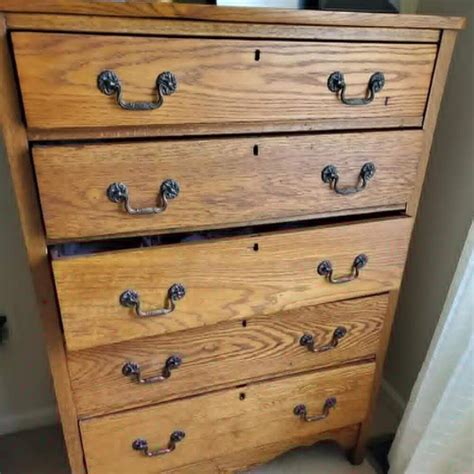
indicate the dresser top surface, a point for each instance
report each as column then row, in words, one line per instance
column 154, row 9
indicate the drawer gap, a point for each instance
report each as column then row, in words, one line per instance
column 72, row 249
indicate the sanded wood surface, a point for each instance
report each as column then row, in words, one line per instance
column 15, row 143
column 88, row 24
column 230, row 353
column 219, row 81
column 223, row 423
column 223, row 183
column 224, row 279
column 157, row 9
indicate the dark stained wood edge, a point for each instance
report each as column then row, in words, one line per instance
column 155, row 9
column 257, row 128
column 164, row 27
column 17, row 151
column 443, row 61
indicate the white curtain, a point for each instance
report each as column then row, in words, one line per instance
column 435, row 435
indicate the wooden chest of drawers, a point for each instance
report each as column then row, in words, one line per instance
column 217, row 206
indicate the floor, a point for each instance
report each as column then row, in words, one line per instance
column 41, row 451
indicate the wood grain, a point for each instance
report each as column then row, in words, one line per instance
column 88, row 24
column 228, row 354
column 14, row 140
column 219, row 80
column 223, row 183
column 220, row 424
column 235, row 128
column 358, row 453
column 224, row 279
column 429, row 126
column 252, row 457
column 157, row 9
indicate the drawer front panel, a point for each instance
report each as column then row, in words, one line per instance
column 223, row 279
column 221, row 423
column 227, row 354
column 218, row 81
column 221, row 182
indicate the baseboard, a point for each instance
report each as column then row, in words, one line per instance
column 27, row 421
column 395, row 401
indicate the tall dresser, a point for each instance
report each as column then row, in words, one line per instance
column 217, row 205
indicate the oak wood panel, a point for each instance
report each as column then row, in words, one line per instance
column 88, row 24
column 223, row 183
column 222, row 423
column 222, row 128
column 252, row 457
column 220, row 82
column 358, row 453
column 158, row 9
column 224, row 279
column 14, row 141
column 230, row 353
column 429, row 126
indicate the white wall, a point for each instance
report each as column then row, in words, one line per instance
column 445, row 213
column 26, row 395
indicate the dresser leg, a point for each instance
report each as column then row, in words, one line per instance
column 357, row 454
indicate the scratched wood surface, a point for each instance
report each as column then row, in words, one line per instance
column 223, row 183
column 219, row 81
column 230, row 353
column 225, row 422
column 224, row 279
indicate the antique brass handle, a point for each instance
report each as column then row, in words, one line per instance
column 308, row 341
column 109, row 84
column 118, row 192
column 300, row 410
column 142, row 445
column 337, row 84
column 325, row 269
column 133, row 370
column 331, row 176
column 131, row 299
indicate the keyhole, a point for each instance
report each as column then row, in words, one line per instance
column 255, row 150
column 255, row 247
column 244, row 323
column 257, row 55
column 242, row 396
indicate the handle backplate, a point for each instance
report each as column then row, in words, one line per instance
column 109, row 83
column 325, row 269
column 337, row 84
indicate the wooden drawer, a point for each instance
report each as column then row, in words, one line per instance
column 221, row 182
column 227, row 354
column 221, row 423
column 224, row 279
column 221, row 84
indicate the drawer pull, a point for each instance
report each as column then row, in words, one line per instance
column 331, row 176
column 133, row 370
column 142, row 445
column 109, row 84
column 131, row 299
column 337, row 84
column 118, row 192
column 325, row 269
column 300, row 410
column 308, row 341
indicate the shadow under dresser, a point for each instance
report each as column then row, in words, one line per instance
column 217, row 205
